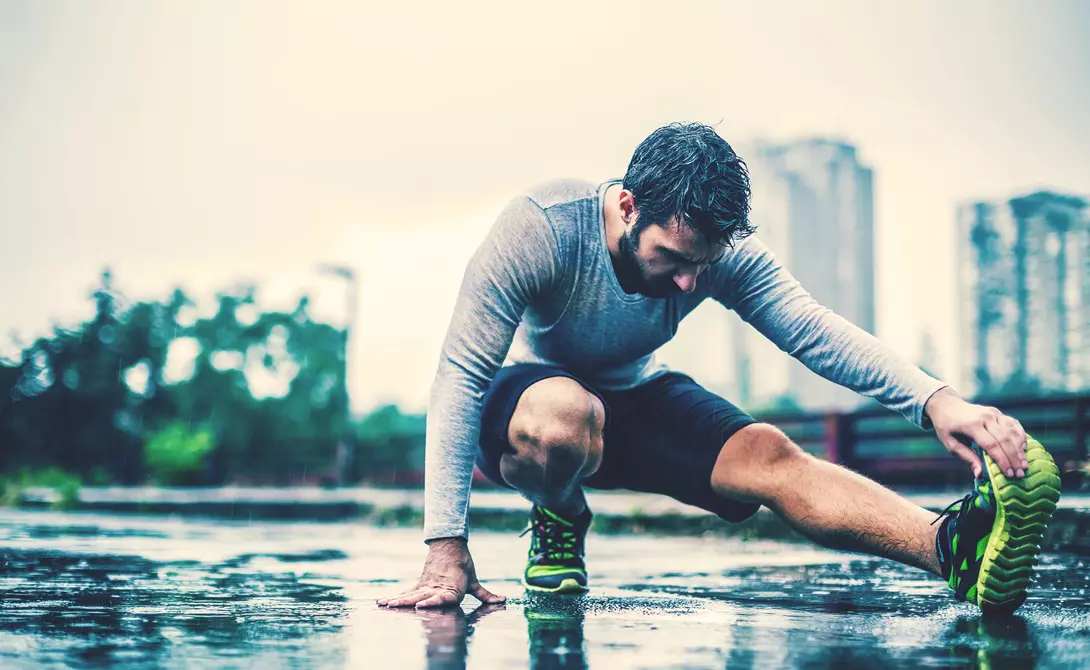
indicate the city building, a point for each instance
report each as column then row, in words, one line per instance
column 1024, row 294
column 813, row 205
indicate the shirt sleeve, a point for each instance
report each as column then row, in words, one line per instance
column 754, row 284
column 517, row 260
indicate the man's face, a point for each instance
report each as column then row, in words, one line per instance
column 661, row 261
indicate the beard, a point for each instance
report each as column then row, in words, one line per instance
column 633, row 275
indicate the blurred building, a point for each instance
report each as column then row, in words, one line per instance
column 1024, row 294
column 813, row 205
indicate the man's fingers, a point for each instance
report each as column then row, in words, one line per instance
column 388, row 601
column 409, row 599
column 964, row 453
column 1018, row 436
column 991, row 446
column 399, row 600
column 1007, row 445
column 440, row 599
column 484, row 595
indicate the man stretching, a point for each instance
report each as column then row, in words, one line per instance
column 575, row 288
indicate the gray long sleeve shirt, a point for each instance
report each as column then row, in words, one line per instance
column 541, row 288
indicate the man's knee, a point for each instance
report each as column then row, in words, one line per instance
column 753, row 461
column 556, row 430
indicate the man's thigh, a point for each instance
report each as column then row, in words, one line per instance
column 665, row 437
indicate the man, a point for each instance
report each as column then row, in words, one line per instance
column 578, row 284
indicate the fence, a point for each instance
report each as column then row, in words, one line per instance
column 881, row 445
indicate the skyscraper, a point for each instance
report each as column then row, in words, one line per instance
column 813, row 205
column 1024, row 294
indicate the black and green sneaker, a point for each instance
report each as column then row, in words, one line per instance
column 555, row 563
column 989, row 541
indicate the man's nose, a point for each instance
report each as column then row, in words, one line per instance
column 686, row 281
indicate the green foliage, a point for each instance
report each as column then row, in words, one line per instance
column 390, row 444
column 176, row 454
column 89, row 398
column 66, row 484
column 99, row 400
column 388, row 423
column 99, row 476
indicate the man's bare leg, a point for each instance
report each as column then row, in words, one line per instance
column 556, row 437
column 827, row 503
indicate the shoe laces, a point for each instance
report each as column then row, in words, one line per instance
column 552, row 537
column 957, row 508
column 960, row 507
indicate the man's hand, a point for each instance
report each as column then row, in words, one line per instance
column 957, row 422
column 448, row 576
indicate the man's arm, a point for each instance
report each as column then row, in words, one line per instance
column 516, row 261
column 767, row 296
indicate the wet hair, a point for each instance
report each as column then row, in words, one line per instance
column 689, row 172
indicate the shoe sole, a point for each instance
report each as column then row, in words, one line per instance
column 1024, row 509
column 565, row 586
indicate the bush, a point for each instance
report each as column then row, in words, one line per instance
column 65, row 483
column 99, row 476
column 175, row 455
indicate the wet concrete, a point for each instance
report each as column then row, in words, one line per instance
column 82, row 590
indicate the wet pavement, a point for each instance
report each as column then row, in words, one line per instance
column 79, row 590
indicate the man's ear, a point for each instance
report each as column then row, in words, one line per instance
column 627, row 205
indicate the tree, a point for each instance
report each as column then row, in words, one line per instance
column 93, row 396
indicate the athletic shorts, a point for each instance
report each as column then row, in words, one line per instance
column 663, row 436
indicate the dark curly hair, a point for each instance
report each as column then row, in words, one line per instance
column 688, row 171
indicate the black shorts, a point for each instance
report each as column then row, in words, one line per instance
column 663, row 436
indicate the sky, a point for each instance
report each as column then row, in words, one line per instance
column 200, row 144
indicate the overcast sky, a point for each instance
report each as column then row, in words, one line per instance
column 197, row 143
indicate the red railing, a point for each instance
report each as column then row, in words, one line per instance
column 883, row 446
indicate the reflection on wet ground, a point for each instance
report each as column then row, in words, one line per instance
column 94, row 591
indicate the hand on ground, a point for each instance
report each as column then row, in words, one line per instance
column 447, row 577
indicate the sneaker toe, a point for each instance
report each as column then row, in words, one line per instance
column 555, row 579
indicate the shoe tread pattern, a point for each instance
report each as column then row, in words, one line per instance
column 1024, row 509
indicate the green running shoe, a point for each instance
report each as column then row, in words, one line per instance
column 555, row 563
column 988, row 541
